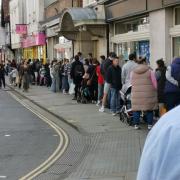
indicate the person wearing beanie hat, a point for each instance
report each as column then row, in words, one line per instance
column 172, row 87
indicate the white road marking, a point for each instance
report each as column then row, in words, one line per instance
column 7, row 135
column 55, row 135
column 3, row 177
column 63, row 144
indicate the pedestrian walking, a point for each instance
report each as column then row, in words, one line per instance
column 114, row 79
column 77, row 72
column 172, row 87
column 26, row 76
column 144, row 93
column 2, row 76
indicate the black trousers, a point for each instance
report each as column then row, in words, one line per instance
column 2, row 81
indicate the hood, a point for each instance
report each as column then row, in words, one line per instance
column 141, row 69
column 176, row 61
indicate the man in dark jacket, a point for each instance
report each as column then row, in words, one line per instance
column 114, row 79
column 77, row 72
column 104, row 70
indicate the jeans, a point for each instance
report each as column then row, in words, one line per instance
column 2, row 81
column 65, row 84
column 172, row 100
column 100, row 91
column 115, row 100
column 137, row 114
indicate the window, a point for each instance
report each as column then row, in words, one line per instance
column 177, row 16
column 133, row 25
column 176, row 47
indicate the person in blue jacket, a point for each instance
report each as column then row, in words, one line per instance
column 160, row 159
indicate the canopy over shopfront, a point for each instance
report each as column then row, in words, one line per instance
column 83, row 26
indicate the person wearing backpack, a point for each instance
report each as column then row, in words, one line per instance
column 77, row 72
column 172, row 88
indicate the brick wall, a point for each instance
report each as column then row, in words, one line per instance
column 56, row 7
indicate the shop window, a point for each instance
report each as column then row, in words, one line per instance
column 131, row 26
column 177, row 16
column 176, row 47
column 140, row 48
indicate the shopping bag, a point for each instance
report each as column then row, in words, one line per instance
column 71, row 89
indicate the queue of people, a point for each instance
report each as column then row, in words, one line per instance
column 100, row 81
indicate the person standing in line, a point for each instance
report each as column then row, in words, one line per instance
column 104, row 67
column 55, row 68
column 114, row 79
column 172, row 87
column 93, row 80
column 161, row 81
column 100, row 81
column 127, row 68
column 81, row 59
column 64, row 72
column 2, row 76
column 144, row 93
column 77, row 72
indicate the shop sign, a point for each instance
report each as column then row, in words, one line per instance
column 34, row 40
column 21, row 29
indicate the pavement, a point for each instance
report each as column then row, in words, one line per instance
column 115, row 148
column 22, row 137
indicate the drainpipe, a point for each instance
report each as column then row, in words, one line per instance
column 107, row 36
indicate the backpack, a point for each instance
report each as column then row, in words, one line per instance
column 78, row 70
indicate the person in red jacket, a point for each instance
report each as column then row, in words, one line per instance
column 100, row 84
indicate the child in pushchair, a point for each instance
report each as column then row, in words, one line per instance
column 126, row 114
column 84, row 95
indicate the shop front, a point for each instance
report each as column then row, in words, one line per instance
column 34, row 47
column 86, row 29
column 131, row 36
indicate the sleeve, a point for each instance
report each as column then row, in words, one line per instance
column 170, row 78
column 123, row 75
column 158, row 75
column 109, row 76
column 153, row 79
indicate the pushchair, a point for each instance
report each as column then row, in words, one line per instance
column 84, row 95
column 126, row 114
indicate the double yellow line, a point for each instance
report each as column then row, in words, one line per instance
column 63, row 143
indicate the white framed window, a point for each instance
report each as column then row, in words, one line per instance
column 176, row 16
column 88, row 2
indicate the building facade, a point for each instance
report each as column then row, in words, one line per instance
column 147, row 28
column 27, row 37
column 86, row 28
column 6, row 51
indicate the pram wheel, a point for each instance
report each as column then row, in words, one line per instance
column 124, row 118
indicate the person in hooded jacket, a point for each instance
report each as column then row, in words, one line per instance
column 114, row 79
column 144, row 93
column 172, row 87
column 161, row 81
column 77, row 72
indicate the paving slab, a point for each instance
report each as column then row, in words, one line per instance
column 114, row 149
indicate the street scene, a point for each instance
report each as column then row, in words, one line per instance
column 90, row 89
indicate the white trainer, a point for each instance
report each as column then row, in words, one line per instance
column 101, row 109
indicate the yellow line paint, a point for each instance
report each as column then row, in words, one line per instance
column 63, row 144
